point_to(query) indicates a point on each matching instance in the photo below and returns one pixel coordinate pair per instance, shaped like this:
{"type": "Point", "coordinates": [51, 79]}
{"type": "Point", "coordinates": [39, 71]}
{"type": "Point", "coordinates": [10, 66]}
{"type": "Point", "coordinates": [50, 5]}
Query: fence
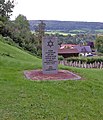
{"type": "Point", "coordinates": [98, 65]}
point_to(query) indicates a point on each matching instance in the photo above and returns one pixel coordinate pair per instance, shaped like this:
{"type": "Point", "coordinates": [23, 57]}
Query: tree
{"type": "Point", "coordinates": [99, 43]}
{"type": "Point", "coordinates": [21, 31]}
{"type": "Point", "coordinates": [6, 8]}
{"type": "Point", "coordinates": [40, 32]}
{"type": "Point", "coordinates": [22, 22]}
{"type": "Point", "coordinates": [22, 35]}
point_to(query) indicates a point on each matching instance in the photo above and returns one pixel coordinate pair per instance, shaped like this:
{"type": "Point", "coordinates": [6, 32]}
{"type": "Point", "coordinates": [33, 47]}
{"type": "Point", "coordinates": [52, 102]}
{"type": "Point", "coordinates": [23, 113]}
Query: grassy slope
{"type": "Point", "coordinates": [21, 99]}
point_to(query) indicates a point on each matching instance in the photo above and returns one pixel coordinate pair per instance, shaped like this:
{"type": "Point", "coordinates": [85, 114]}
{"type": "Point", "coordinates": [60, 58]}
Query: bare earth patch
{"type": "Point", "coordinates": [61, 75]}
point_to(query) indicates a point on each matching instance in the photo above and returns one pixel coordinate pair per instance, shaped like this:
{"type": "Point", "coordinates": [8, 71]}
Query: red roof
{"type": "Point", "coordinates": [70, 51]}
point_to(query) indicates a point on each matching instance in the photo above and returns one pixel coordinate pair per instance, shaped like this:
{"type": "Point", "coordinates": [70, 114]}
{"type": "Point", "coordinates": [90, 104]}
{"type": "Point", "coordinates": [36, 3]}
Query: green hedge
{"type": "Point", "coordinates": [85, 59]}
{"type": "Point", "coordinates": [60, 58]}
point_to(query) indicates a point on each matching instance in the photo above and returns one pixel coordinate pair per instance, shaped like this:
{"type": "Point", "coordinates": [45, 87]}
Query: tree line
{"type": "Point", "coordinates": [69, 26]}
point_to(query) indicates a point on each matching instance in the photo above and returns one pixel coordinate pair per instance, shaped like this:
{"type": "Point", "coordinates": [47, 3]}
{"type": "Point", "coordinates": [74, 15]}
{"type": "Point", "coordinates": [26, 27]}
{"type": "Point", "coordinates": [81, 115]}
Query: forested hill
{"type": "Point", "coordinates": [67, 25]}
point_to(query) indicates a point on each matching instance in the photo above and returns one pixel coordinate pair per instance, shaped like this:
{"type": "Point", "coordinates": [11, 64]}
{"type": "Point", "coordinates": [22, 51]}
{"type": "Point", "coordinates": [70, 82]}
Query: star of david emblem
{"type": "Point", "coordinates": [50, 44]}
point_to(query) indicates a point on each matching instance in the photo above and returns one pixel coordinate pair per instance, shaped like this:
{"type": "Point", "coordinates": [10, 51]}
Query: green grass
{"type": "Point", "coordinates": [57, 32]}
{"type": "Point", "coordinates": [77, 31]}
{"type": "Point", "coordinates": [22, 99]}
{"type": "Point", "coordinates": [99, 31]}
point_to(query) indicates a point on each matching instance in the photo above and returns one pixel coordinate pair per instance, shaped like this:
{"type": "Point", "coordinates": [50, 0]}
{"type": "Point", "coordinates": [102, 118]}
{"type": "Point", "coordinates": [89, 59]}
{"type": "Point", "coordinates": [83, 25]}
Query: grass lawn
{"type": "Point", "coordinates": [22, 99]}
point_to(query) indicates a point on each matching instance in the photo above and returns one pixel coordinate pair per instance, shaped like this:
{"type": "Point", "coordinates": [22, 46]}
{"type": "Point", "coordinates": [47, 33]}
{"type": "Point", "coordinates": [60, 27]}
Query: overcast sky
{"type": "Point", "coordinates": [65, 10]}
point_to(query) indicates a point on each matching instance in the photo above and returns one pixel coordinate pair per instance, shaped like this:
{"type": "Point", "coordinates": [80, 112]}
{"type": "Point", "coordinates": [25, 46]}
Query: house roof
{"type": "Point", "coordinates": [83, 49]}
{"type": "Point", "coordinates": [69, 51]}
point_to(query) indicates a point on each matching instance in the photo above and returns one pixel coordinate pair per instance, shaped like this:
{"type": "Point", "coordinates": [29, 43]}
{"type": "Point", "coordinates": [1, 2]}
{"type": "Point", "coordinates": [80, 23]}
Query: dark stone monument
{"type": "Point", "coordinates": [49, 55]}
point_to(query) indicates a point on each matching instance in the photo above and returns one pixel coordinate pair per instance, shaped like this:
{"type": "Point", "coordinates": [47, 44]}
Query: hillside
{"type": "Point", "coordinates": [67, 25]}
{"type": "Point", "coordinates": [11, 56]}
{"type": "Point", "coordinates": [22, 99]}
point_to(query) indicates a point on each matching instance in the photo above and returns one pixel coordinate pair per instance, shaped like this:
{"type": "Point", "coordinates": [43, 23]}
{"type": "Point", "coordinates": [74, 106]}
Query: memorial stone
{"type": "Point", "coordinates": [49, 55]}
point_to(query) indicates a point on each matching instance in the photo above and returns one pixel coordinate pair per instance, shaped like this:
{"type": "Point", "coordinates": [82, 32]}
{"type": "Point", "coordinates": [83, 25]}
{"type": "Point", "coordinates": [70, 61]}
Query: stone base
{"type": "Point", "coordinates": [61, 75]}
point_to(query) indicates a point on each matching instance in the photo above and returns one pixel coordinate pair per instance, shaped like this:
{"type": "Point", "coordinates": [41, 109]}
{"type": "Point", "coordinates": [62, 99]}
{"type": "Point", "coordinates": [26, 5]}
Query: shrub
{"type": "Point", "coordinates": [85, 59]}
{"type": "Point", "coordinates": [60, 58]}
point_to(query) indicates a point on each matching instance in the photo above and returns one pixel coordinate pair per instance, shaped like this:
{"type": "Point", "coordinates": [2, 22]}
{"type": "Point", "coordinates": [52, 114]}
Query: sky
{"type": "Point", "coordinates": [64, 10]}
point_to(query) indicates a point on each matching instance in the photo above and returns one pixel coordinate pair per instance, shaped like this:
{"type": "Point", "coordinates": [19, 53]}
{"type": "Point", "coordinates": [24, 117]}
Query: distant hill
{"type": "Point", "coordinates": [67, 25]}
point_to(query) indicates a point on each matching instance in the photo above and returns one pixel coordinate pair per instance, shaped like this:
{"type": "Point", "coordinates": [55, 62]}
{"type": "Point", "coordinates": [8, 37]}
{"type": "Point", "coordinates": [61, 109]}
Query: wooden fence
{"type": "Point", "coordinates": [98, 65]}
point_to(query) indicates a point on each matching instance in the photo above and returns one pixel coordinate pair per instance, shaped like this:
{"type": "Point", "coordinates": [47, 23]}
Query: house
{"type": "Point", "coordinates": [69, 50]}
{"type": "Point", "coordinates": [84, 50]}
{"type": "Point", "coordinates": [66, 52]}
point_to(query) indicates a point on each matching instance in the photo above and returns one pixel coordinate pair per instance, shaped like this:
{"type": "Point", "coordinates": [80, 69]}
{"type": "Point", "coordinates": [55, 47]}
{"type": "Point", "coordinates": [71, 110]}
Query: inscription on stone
{"type": "Point", "coordinates": [49, 55]}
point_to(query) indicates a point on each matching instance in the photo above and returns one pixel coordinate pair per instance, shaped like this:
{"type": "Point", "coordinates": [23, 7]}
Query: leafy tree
{"type": "Point", "coordinates": [22, 22]}
{"type": "Point", "coordinates": [99, 43]}
{"type": "Point", "coordinates": [21, 31]}
{"type": "Point", "coordinates": [6, 8]}
{"type": "Point", "coordinates": [22, 35]}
